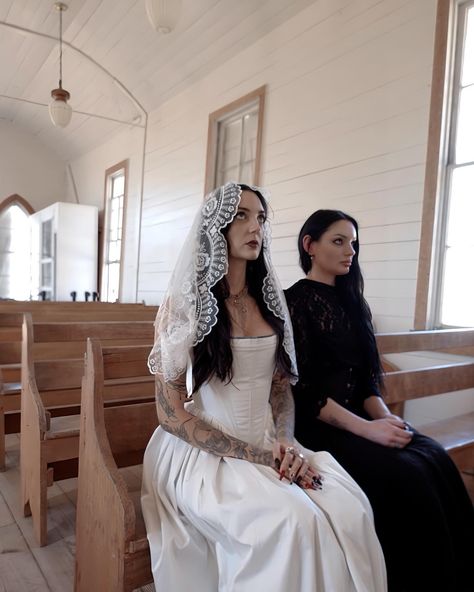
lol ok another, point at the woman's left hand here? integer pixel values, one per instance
(292, 464)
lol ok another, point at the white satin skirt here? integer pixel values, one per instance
(227, 525)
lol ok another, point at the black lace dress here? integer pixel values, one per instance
(423, 515)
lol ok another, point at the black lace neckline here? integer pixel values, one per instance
(318, 285)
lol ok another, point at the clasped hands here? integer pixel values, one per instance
(291, 464)
(390, 430)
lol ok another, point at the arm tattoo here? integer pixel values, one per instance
(178, 430)
(179, 385)
(163, 402)
(283, 408)
(221, 444)
(198, 432)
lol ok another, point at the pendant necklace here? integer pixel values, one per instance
(239, 300)
(239, 303)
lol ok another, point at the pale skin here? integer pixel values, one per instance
(331, 256)
(244, 244)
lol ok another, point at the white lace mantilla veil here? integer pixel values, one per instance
(189, 310)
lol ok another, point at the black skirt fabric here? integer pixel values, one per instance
(423, 515)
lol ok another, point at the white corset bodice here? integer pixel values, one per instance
(242, 407)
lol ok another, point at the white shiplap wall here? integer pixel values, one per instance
(346, 120)
(88, 173)
(346, 124)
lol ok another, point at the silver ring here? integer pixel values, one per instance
(290, 449)
(301, 456)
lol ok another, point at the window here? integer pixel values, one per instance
(234, 141)
(15, 248)
(115, 201)
(47, 255)
(456, 257)
(445, 289)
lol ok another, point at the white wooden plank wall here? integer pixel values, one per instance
(88, 172)
(345, 127)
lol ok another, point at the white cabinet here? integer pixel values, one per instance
(64, 251)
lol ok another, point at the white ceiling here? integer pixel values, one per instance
(117, 36)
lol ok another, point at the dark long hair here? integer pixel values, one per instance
(213, 356)
(350, 286)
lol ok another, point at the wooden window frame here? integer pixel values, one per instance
(217, 116)
(18, 200)
(431, 222)
(443, 109)
(124, 164)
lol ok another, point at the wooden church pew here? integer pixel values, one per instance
(456, 434)
(108, 512)
(47, 312)
(53, 385)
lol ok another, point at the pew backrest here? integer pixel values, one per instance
(453, 375)
(108, 513)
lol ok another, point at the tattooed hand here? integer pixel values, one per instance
(294, 466)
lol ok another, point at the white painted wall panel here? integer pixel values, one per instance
(29, 168)
(346, 122)
(345, 127)
(88, 173)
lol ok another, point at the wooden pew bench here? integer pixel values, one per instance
(10, 347)
(456, 434)
(11, 318)
(108, 512)
(22, 306)
(49, 444)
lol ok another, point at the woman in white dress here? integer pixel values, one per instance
(231, 502)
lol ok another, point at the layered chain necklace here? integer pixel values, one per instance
(238, 309)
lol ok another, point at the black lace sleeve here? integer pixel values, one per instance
(331, 361)
(312, 319)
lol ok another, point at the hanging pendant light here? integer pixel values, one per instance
(59, 109)
(163, 14)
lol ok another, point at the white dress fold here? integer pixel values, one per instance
(227, 525)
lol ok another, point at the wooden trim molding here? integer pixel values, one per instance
(216, 116)
(124, 164)
(444, 339)
(20, 201)
(438, 108)
(405, 385)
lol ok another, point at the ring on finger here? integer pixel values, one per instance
(290, 449)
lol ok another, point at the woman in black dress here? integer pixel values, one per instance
(423, 515)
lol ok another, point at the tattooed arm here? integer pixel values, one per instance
(173, 417)
(283, 408)
(293, 465)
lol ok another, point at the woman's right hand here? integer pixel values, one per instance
(389, 431)
(291, 464)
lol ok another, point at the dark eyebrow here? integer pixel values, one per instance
(344, 236)
(247, 210)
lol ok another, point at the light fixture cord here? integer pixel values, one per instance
(60, 48)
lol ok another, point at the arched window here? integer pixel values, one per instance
(15, 248)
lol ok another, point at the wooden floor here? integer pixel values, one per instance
(24, 566)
